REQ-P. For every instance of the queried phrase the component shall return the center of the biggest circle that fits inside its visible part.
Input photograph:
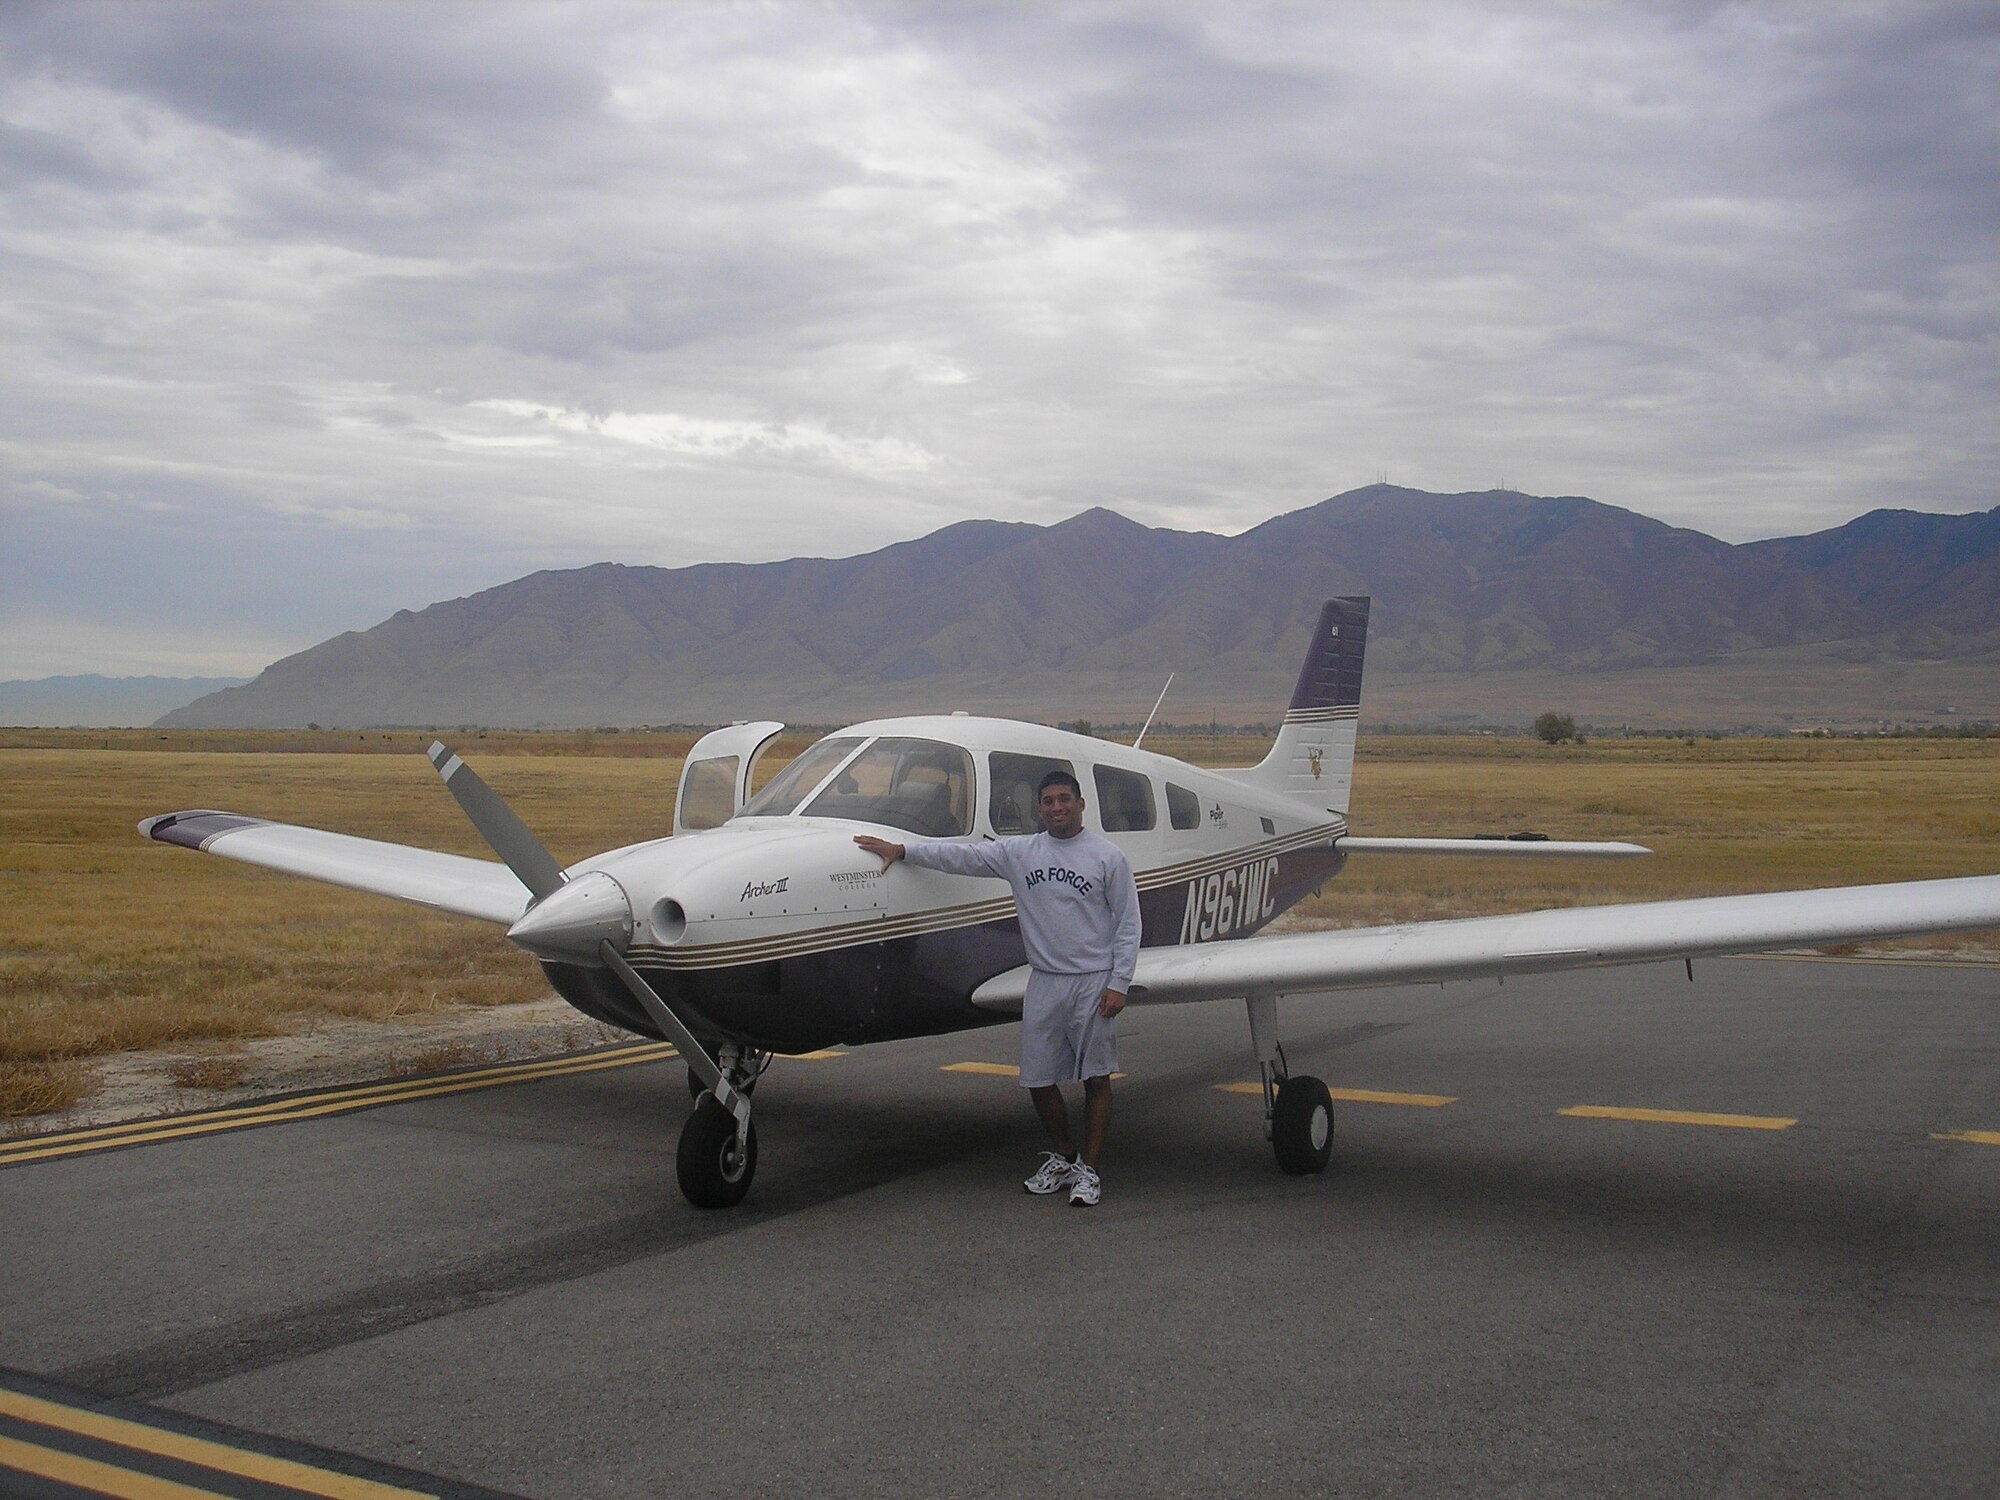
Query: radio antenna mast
(1156, 708)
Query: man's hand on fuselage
(882, 849)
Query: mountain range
(101, 702)
(1473, 593)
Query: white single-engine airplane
(760, 929)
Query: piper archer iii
(759, 929)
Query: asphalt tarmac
(498, 1288)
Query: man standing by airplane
(1079, 910)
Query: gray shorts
(1062, 1036)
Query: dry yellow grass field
(110, 943)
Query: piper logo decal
(1230, 901)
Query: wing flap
(1542, 942)
(449, 882)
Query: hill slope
(1093, 613)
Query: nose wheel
(715, 1163)
(718, 1150)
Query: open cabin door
(715, 782)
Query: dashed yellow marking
(1678, 1117)
(825, 1054)
(313, 1106)
(1973, 1137)
(88, 1473)
(991, 1070)
(1358, 1096)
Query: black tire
(1302, 1126)
(712, 1173)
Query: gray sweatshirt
(1078, 902)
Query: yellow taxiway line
(111, 1479)
(314, 1106)
(1973, 1137)
(1678, 1117)
(990, 1070)
(1357, 1096)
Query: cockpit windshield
(924, 786)
(800, 777)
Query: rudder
(1313, 758)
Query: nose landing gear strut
(718, 1150)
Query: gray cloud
(321, 311)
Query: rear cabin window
(924, 786)
(1124, 800)
(1011, 808)
(1183, 807)
(708, 792)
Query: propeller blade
(497, 824)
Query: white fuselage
(778, 930)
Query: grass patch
(435, 1059)
(215, 1071)
(41, 1086)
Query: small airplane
(759, 929)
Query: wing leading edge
(450, 882)
(1541, 942)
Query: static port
(670, 921)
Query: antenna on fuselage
(1156, 708)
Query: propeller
(583, 919)
(497, 824)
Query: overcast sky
(314, 312)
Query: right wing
(449, 882)
(1511, 844)
(1541, 942)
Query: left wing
(1539, 942)
(450, 882)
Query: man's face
(1062, 811)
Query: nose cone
(567, 924)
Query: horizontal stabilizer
(1541, 942)
(449, 882)
(1545, 848)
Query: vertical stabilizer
(1313, 758)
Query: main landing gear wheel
(1302, 1126)
(714, 1171)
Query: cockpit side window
(1124, 800)
(1183, 807)
(799, 778)
(924, 786)
(1011, 808)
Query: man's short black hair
(1059, 778)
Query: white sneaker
(1053, 1175)
(1084, 1187)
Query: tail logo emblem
(1313, 756)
